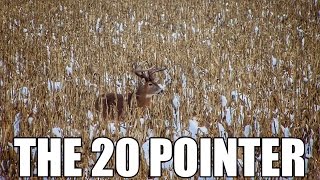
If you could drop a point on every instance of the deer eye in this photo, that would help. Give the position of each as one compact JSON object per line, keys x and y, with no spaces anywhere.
{"x":150,"y":84}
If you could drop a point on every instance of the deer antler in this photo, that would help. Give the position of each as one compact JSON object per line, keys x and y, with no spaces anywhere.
{"x":154,"y":70}
{"x":140,"y":73}
{"x":151,"y":71}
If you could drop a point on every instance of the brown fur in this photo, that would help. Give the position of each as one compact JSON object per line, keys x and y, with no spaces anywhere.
{"x":112,"y":102}
{"x":109,"y":101}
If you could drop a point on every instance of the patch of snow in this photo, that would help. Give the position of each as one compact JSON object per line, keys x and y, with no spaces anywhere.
{"x":246,"y":100}
{"x":140,"y":23}
{"x":90,"y":115}
{"x":286,"y":131}
{"x":184,"y":81}
{"x":33,"y":152}
{"x":274,"y":61}
{"x":98,"y":25}
{"x":56,"y":131}
{"x":123,"y":129}
{"x":305,"y":79}
{"x":119,"y":86}
{"x":119,"y":27}
{"x":224,"y":101}
{"x":69,"y":70}
{"x":176,"y":115}
{"x":240,"y":166}
{"x":256,"y":30}
{"x":92,"y":131}
{"x":308,"y":151}
{"x":24,"y":91}
{"x":16,"y":125}
{"x":162,"y":86}
{"x":176,"y":101}
{"x":257,"y":128}
{"x":142,"y":121}
{"x":150,"y":133}
{"x":30,"y":119}
{"x":234,"y":95}
{"x":228,"y":112}
{"x":167,"y":79}
{"x":54,"y":86}
{"x":275,"y":126}
{"x":247,"y":130}
{"x":193,"y":127}
{"x":112,"y":128}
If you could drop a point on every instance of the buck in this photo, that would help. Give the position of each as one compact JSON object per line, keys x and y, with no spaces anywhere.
{"x":112,"y":102}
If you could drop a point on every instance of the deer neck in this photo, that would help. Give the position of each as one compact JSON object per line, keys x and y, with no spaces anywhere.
{"x":143,"y":100}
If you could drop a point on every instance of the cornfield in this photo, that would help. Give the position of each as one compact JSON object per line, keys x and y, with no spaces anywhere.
{"x":234,"y":69}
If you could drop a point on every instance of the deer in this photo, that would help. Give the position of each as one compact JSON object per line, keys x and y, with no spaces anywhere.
{"x":108,"y":103}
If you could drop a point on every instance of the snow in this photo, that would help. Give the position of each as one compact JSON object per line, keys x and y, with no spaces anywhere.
{"x":247,"y":131}
{"x":90,"y":115}
{"x":54,"y":85}
{"x":24,"y":91}
{"x":142,"y":121}
{"x":308,"y":150}
{"x":92,"y":131}
{"x":224,"y":101}
{"x":111,"y":128}
{"x":140,"y":23}
{"x":98,"y":25}
{"x":274,"y":61}
{"x":195,"y":130}
{"x":257,"y":127}
{"x":176,"y":116}
{"x":69,"y":70}
{"x":16,"y":125}
{"x":176,"y":102}
{"x":184,"y":80}
{"x":57,"y":132}
{"x":123,"y":130}
{"x":275,"y":126}
{"x":30,"y":120}
{"x":228,"y":112}
{"x":286,"y":131}
{"x":256,"y":30}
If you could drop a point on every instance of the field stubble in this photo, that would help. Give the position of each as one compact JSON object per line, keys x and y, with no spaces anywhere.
{"x":250,"y":66}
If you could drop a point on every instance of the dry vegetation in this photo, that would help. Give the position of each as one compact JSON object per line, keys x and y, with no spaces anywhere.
{"x":218,"y":46}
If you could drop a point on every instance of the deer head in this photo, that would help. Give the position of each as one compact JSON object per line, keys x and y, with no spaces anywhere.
{"x":150,"y":87}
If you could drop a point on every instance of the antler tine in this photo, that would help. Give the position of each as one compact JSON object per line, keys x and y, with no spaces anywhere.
{"x":158,"y":69}
{"x":154,"y":70}
{"x":140,"y":73}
